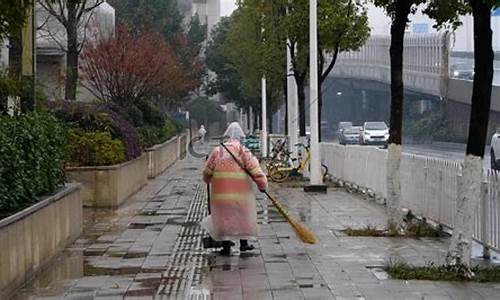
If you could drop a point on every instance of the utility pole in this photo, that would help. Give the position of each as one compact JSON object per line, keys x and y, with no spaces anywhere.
{"x":316,"y":179}
{"x":264,"y":118}
{"x":292,"y":103}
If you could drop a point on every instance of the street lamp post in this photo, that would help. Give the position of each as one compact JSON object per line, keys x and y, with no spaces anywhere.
{"x":264,"y":118}
{"x":316,"y":179}
{"x":292,"y":104}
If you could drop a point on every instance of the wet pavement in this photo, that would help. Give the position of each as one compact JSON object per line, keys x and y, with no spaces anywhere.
{"x":150,"y":248}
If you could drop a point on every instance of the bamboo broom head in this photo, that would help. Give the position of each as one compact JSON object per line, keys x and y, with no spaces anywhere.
{"x":304,"y":233}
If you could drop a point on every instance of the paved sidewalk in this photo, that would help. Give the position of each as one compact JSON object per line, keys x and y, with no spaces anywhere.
{"x":151,"y":248}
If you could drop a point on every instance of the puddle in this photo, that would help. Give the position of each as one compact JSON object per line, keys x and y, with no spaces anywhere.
{"x":181,"y":222}
{"x":69,"y":265}
{"x":137,"y":226}
{"x":249,"y":254}
{"x":135,"y":255}
{"x":148,"y":213}
{"x":89,"y":270}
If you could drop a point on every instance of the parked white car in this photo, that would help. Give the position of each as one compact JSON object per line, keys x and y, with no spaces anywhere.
{"x":495,"y":151}
{"x":374,"y":133}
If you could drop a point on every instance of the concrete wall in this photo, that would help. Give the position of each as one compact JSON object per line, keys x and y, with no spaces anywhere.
{"x":110,"y":186}
{"x":461,"y":91}
{"x":32,"y":237}
{"x":163,"y":156}
{"x":182,"y":142}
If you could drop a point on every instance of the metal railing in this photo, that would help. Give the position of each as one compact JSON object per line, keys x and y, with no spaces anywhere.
{"x":429,"y":185}
{"x":425,"y":59}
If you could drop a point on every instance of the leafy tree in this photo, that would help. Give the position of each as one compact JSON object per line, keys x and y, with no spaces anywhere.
{"x":164,"y":17}
{"x":227,"y":80}
{"x":398,"y":10}
{"x":127,"y":69}
{"x":253,"y":53}
{"x":160,"y":16}
{"x":12,"y":16}
{"x":74,"y":16}
{"x":205,"y":111}
{"x":342,"y":26}
{"x":469,"y":191}
{"x":189,"y":50}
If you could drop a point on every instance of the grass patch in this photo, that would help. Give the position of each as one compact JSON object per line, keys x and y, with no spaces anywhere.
{"x":366,"y":231}
{"x":404,"y":271}
{"x":418,"y":229}
{"x":415,"y":229}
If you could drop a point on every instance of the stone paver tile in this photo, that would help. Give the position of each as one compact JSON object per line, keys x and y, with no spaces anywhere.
{"x":257,"y":294}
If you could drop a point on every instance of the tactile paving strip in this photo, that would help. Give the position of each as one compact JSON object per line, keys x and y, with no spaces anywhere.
{"x":188,"y":257}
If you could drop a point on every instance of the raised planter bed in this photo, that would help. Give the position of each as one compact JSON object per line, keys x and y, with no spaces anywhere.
{"x":34,"y":236}
{"x":110,"y":186}
{"x":163,"y":156}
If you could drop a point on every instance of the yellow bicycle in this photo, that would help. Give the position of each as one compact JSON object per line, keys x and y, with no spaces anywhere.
{"x":282,"y":170}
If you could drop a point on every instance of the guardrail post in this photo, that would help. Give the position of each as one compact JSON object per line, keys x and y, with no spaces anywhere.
{"x":484,"y":220}
{"x":426,"y":190}
{"x":440,"y":198}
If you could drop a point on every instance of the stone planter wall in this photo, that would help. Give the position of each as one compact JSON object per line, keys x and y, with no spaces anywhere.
{"x":162,"y":156}
{"x":34,"y":236}
{"x":183,"y":143}
{"x":110,"y":186}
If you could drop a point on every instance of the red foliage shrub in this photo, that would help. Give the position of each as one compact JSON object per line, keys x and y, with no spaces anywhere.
{"x":127,"y":67}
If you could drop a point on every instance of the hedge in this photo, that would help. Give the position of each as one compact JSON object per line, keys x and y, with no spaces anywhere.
{"x":32,"y":154}
{"x":104,"y":117}
{"x":94,"y":149}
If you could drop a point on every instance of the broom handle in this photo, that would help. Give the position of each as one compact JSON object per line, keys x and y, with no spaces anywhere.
{"x":280,"y":208}
{"x":303,"y":232}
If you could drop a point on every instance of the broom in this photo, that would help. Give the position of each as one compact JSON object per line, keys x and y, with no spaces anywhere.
{"x":302,"y":231}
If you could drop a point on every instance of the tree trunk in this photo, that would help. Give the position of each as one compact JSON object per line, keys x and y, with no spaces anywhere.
{"x":469,"y":191}
{"x":302,"y":104}
{"x":323,"y":75}
{"x":15,"y":63}
{"x":72,"y":53}
{"x":397,"y":93}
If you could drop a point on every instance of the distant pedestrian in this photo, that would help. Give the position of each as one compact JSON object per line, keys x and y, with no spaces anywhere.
{"x":232,"y":202}
{"x":202,"y":132}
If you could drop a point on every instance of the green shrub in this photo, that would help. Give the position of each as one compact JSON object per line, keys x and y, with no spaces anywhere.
{"x":171,"y":128}
{"x":431,"y":127}
{"x":94,"y":149}
{"x":154,"y":135}
{"x":32,"y":153}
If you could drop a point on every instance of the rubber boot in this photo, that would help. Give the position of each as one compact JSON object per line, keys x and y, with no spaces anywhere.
{"x":226,"y":248}
{"x":244,"y":246}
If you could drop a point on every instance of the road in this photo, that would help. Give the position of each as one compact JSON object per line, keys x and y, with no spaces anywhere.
{"x":470,"y":62}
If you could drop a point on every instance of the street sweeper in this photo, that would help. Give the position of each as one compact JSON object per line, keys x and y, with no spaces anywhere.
{"x":233,"y":207}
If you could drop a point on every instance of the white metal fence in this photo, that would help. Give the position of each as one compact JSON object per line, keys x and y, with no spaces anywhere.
{"x":429,"y":185}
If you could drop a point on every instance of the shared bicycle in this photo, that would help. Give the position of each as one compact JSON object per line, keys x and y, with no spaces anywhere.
{"x":281,"y":166}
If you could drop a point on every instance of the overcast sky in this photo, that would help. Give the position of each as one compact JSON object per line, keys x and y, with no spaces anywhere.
{"x":227,"y":7}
